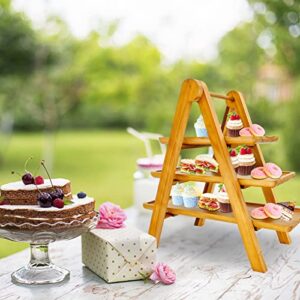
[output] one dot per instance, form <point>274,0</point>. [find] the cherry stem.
<point>26,162</point>
<point>43,164</point>
<point>13,172</point>
<point>37,188</point>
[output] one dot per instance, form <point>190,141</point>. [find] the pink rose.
<point>111,216</point>
<point>163,273</point>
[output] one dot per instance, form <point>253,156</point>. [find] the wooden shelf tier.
<point>195,142</point>
<point>245,181</point>
<point>277,225</point>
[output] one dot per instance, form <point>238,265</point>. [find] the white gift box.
<point>116,255</point>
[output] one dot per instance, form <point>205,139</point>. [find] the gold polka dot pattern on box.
<point>116,255</point>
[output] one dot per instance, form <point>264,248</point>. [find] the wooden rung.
<point>277,225</point>
<point>194,142</point>
<point>216,95</point>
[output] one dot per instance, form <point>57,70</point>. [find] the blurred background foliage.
<point>53,84</point>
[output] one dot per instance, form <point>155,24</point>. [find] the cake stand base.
<point>40,270</point>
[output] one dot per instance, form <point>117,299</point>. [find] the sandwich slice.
<point>188,166</point>
<point>207,163</point>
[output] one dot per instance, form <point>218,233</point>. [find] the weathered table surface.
<point>210,263</point>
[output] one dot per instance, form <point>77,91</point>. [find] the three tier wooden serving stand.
<point>197,91</point>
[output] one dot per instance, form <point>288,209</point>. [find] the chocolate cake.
<point>20,207</point>
<point>17,193</point>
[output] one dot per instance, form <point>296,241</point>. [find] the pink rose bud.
<point>111,216</point>
<point>163,273</point>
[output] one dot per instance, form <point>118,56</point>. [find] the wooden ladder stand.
<point>197,91</point>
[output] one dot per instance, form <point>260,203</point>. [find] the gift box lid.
<point>131,242</point>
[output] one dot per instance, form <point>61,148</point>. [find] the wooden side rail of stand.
<point>194,91</point>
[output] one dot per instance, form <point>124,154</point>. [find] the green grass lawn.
<point>102,164</point>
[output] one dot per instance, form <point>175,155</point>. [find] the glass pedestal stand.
<point>40,269</point>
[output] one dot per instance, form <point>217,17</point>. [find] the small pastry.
<point>245,132</point>
<point>191,195</point>
<point>176,194</point>
<point>234,125</point>
<point>234,159</point>
<point>200,128</point>
<point>290,205</point>
<point>257,130</point>
<point>259,213</point>
<point>224,202</point>
<point>272,170</point>
<point>273,210</point>
<point>258,173</point>
<point>246,161</point>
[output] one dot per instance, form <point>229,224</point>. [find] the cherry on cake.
<point>35,202</point>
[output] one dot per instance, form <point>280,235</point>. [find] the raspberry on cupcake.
<point>246,161</point>
<point>234,159</point>
<point>234,125</point>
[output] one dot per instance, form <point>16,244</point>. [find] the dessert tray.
<point>40,269</point>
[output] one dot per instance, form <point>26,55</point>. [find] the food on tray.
<point>257,130</point>
<point>273,210</point>
<point>234,124</point>
<point>245,132</point>
<point>223,200</point>
<point>207,163</point>
<point>246,161</point>
<point>272,170</point>
<point>259,213</point>
<point>234,159</point>
<point>200,128</point>
<point>259,173</point>
<point>290,205</point>
<point>191,195</point>
<point>188,166</point>
<point>209,201</point>
<point>176,194</point>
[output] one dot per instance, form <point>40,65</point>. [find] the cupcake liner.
<point>225,207</point>
<point>177,200</point>
<point>190,202</point>
<point>245,170</point>
<point>201,132</point>
<point>233,132</point>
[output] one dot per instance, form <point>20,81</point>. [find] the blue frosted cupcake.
<point>191,196</point>
<point>200,128</point>
<point>176,194</point>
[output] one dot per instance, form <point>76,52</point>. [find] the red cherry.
<point>237,117</point>
<point>38,180</point>
<point>232,117</point>
<point>58,203</point>
<point>249,151</point>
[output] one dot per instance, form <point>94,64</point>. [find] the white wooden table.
<point>210,263</point>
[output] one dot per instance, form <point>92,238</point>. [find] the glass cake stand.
<point>40,269</point>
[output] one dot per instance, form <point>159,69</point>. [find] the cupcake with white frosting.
<point>200,128</point>
<point>246,161</point>
<point>191,195</point>
<point>223,200</point>
<point>176,194</point>
<point>234,125</point>
<point>234,159</point>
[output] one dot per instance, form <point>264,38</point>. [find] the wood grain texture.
<point>210,263</point>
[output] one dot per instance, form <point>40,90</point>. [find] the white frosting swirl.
<point>234,124</point>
